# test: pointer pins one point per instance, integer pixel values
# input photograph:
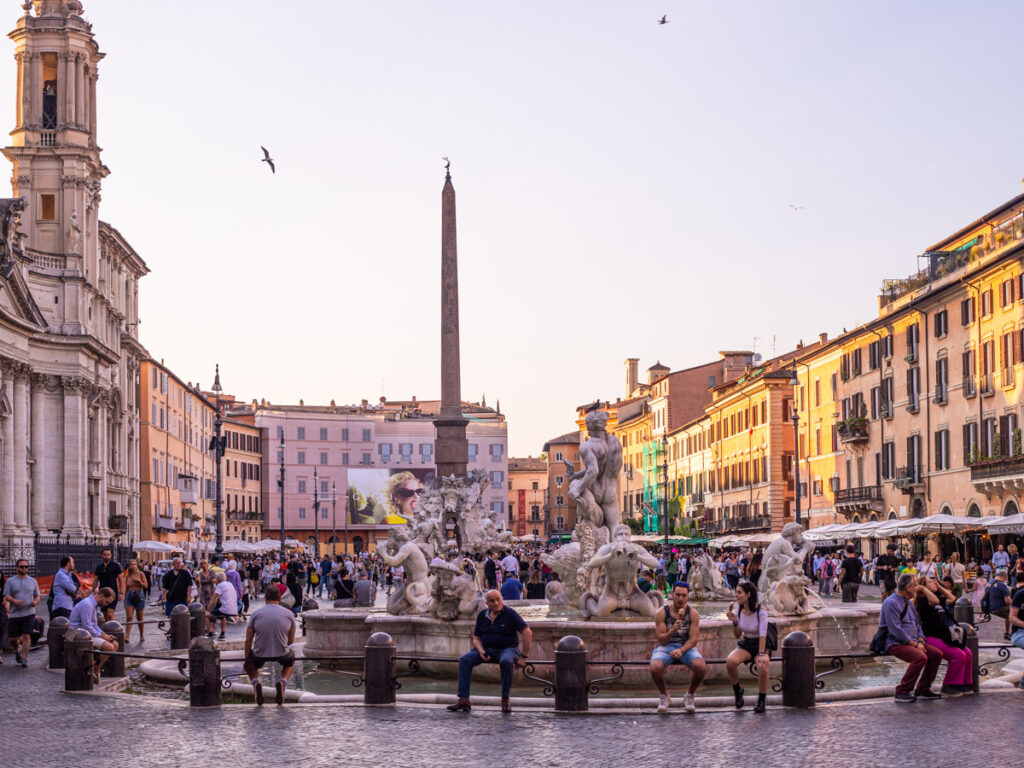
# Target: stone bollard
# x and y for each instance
(379, 669)
(963, 611)
(972, 646)
(197, 618)
(55, 641)
(571, 675)
(78, 660)
(181, 627)
(203, 673)
(115, 664)
(797, 671)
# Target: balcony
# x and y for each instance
(996, 475)
(1007, 378)
(695, 501)
(860, 499)
(741, 524)
(854, 430)
(164, 523)
(911, 356)
(188, 524)
(188, 487)
(941, 396)
(239, 515)
(908, 478)
(117, 522)
(968, 387)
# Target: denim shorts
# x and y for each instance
(663, 654)
(136, 599)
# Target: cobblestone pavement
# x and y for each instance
(47, 727)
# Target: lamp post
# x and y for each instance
(218, 454)
(316, 517)
(795, 381)
(664, 485)
(280, 485)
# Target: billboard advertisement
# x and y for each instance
(385, 496)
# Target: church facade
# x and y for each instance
(69, 349)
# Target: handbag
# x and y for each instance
(288, 599)
(771, 638)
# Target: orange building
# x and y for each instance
(527, 487)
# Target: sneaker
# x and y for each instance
(23, 661)
(928, 695)
(220, 636)
(905, 698)
(688, 703)
(17, 657)
(257, 688)
(951, 690)
(664, 702)
(279, 692)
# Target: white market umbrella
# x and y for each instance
(152, 546)
(824, 533)
(238, 546)
(1009, 524)
(759, 539)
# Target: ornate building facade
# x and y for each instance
(69, 349)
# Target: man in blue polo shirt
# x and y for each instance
(496, 638)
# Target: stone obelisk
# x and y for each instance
(452, 449)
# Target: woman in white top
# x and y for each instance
(750, 625)
(928, 567)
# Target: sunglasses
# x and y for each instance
(22, 567)
(408, 493)
(680, 584)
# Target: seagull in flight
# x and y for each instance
(663, 19)
(267, 159)
(796, 207)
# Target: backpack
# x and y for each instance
(829, 569)
(877, 645)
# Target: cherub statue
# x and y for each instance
(453, 593)
(414, 595)
(620, 558)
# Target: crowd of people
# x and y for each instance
(916, 623)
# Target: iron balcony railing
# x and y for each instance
(1008, 467)
(861, 494)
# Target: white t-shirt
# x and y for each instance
(228, 598)
(510, 564)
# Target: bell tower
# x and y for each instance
(57, 166)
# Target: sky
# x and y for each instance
(625, 189)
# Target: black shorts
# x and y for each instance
(751, 645)
(21, 625)
(65, 612)
(252, 661)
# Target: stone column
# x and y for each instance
(7, 476)
(103, 458)
(91, 100)
(40, 475)
(22, 91)
(63, 95)
(79, 89)
(75, 456)
(36, 92)
(19, 403)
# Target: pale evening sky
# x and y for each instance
(624, 188)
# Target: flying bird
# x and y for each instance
(267, 159)
(663, 19)
(796, 207)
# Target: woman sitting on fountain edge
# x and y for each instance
(751, 627)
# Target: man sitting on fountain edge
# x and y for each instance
(496, 638)
(677, 628)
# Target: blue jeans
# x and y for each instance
(506, 659)
(1017, 638)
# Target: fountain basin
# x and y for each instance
(837, 628)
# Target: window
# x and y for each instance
(497, 507)
(302, 486)
(323, 458)
(888, 460)
(967, 311)
(875, 402)
(384, 451)
(48, 207)
(887, 346)
(558, 456)
(344, 435)
(366, 459)
(302, 513)
(344, 459)
(366, 436)
(301, 433)
(855, 362)
(497, 450)
(817, 487)
(325, 486)
(559, 501)
(1008, 345)
(323, 434)
(986, 303)
(280, 433)
(405, 451)
(987, 444)
(559, 479)
(817, 441)
(941, 324)
(967, 369)
(913, 336)
(874, 356)
(302, 457)
(941, 379)
(473, 450)
(323, 512)
(1007, 292)
(280, 457)
(970, 442)
(1009, 442)
(154, 414)
(426, 452)
(913, 387)
(497, 478)
(817, 393)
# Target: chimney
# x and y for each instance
(632, 371)
(822, 338)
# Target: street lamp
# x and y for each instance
(218, 445)
(280, 485)
(334, 518)
(316, 517)
(795, 381)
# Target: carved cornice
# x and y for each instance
(76, 384)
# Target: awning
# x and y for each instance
(1009, 524)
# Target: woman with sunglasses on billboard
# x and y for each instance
(401, 494)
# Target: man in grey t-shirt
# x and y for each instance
(271, 630)
(365, 592)
(21, 593)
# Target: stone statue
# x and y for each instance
(554, 593)
(706, 580)
(620, 560)
(74, 234)
(414, 595)
(595, 487)
(428, 538)
(489, 531)
(783, 585)
(457, 503)
(453, 594)
(565, 561)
